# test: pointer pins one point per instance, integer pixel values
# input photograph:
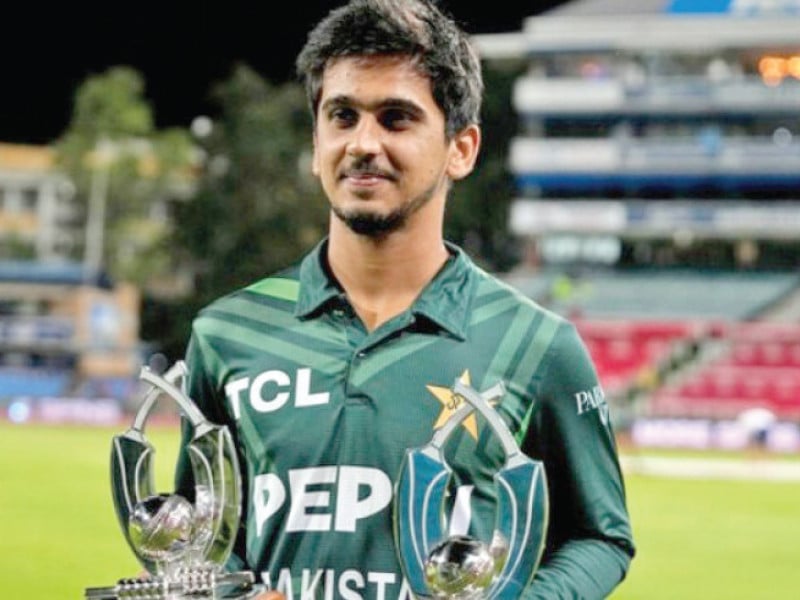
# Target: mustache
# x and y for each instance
(365, 169)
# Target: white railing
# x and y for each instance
(680, 95)
(667, 155)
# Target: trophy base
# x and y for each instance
(198, 584)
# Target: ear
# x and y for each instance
(315, 156)
(464, 149)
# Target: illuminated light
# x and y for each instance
(773, 69)
(793, 67)
(19, 412)
(773, 64)
(592, 70)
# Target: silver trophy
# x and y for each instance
(182, 546)
(461, 567)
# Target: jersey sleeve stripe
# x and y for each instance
(240, 308)
(276, 287)
(238, 334)
(515, 335)
(537, 349)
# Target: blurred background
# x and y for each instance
(640, 175)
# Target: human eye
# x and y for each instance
(343, 116)
(396, 119)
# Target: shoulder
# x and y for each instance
(276, 292)
(552, 338)
(492, 288)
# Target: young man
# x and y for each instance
(327, 372)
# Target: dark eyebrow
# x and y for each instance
(397, 103)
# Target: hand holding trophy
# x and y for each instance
(460, 567)
(182, 546)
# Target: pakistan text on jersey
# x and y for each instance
(593, 399)
(327, 584)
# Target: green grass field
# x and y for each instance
(702, 539)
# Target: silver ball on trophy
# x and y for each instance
(161, 527)
(460, 567)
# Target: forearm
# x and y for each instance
(585, 569)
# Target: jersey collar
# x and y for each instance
(445, 301)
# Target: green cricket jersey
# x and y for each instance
(323, 412)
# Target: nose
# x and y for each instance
(366, 138)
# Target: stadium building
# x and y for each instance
(69, 345)
(657, 165)
(69, 336)
(37, 214)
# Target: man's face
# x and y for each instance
(379, 144)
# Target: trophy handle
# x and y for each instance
(419, 519)
(521, 519)
(217, 487)
(132, 478)
(131, 481)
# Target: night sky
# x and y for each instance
(180, 49)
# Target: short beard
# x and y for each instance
(372, 225)
(378, 226)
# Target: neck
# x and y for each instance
(382, 277)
